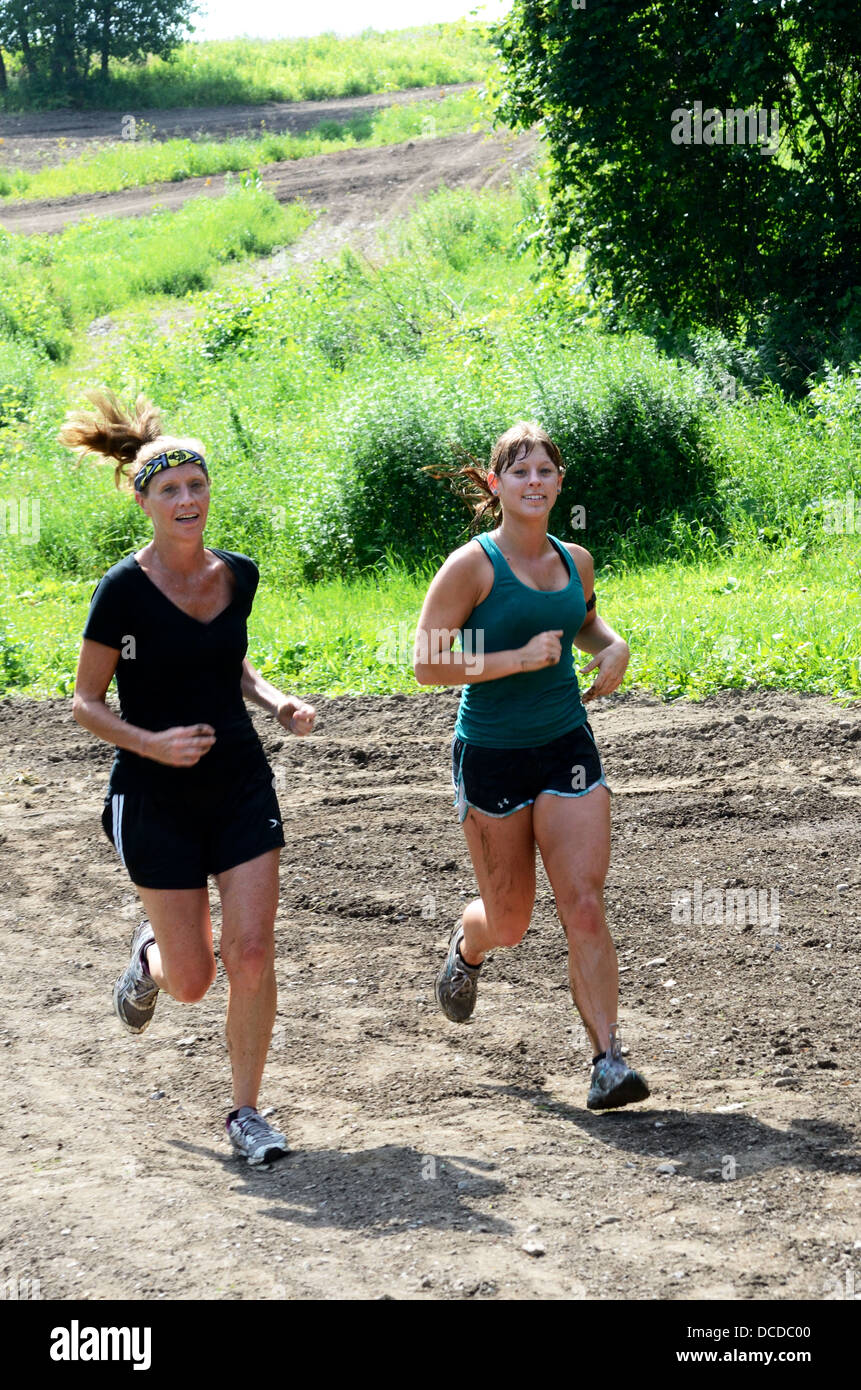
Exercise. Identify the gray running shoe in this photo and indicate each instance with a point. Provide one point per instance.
(254, 1139)
(136, 992)
(614, 1083)
(456, 986)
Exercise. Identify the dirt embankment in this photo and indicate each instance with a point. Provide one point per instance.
(358, 189)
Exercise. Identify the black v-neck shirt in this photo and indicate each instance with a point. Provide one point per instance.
(176, 670)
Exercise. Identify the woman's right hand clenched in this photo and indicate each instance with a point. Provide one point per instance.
(545, 649)
(182, 746)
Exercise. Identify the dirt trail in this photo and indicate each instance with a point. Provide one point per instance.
(429, 1157)
(39, 139)
(358, 189)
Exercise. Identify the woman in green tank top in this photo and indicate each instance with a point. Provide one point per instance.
(525, 767)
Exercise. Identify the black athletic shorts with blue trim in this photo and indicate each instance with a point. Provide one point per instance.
(170, 842)
(500, 781)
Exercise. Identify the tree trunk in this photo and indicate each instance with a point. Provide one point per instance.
(3, 81)
(64, 68)
(106, 38)
(27, 52)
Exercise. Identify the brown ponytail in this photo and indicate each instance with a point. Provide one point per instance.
(131, 437)
(467, 477)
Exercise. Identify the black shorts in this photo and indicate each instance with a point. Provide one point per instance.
(165, 842)
(500, 781)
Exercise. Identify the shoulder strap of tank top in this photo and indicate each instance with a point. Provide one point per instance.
(566, 555)
(492, 551)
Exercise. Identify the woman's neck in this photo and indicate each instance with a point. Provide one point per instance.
(528, 538)
(176, 557)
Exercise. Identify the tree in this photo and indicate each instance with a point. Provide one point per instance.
(133, 29)
(693, 201)
(58, 38)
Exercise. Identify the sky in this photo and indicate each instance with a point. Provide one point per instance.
(270, 19)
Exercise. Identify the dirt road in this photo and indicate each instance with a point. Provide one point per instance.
(361, 188)
(357, 191)
(39, 139)
(433, 1161)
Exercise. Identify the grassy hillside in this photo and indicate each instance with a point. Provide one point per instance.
(720, 515)
(130, 164)
(254, 71)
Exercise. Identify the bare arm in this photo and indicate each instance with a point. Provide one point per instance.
(597, 637)
(457, 588)
(291, 712)
(96, 666)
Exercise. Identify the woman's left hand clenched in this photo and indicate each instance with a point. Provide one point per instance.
(296, 716)
(611, 664)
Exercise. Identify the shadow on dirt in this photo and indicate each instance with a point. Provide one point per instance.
(380, 1191)
(700, 1144)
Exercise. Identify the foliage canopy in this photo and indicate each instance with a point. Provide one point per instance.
(686, 214)
(58, 40)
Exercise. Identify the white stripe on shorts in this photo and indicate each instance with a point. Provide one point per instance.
(117, 803)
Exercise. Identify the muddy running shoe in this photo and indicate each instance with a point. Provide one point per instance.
(613, 1082)
(136, 992)
(252, 1138)
(456, 986)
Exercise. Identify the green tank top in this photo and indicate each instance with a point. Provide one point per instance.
(530, 708)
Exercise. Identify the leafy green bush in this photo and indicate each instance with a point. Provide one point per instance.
(19, 368)
(50, 284)
(390, 504)
(633, 451)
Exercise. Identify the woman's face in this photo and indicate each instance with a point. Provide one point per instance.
(529, 486)
(177, 501)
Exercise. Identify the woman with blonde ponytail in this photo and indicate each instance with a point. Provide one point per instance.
(190, 793)
(525, 767)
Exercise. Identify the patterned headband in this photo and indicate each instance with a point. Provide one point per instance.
(168, 460)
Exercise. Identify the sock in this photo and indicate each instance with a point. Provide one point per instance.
(234, 1114)
(466, 962)
(596, 1060)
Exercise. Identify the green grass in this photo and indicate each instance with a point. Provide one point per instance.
(246, 71)
(131, 163)
(790, 622)
(51, 286)
(789, 619)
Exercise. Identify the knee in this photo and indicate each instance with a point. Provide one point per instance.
(509, 930)
(189, 985)
(248, 962)
(582, 913)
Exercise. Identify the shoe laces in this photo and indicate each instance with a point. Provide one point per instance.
(462, 976)
(253, 1126)
(143, 986)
